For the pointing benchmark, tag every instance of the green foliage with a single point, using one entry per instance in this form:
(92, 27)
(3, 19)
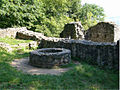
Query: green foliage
(20, 13)
(47, 16)
(91, 14)
(74, 9)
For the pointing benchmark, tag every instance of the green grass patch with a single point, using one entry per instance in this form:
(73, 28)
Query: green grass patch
(13, 41)
(71, 64)
(82, 76)
(8, 57)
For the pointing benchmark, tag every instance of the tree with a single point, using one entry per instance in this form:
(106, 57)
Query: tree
(74, 7)
(90, 14)
(47, 16)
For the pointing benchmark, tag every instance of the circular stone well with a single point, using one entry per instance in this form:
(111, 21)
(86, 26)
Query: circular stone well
(49, 57)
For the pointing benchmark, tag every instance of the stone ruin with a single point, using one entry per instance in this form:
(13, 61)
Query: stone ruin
(103, 32)
(49, 57)
(73, 30)
(101, 52)
(20, 33)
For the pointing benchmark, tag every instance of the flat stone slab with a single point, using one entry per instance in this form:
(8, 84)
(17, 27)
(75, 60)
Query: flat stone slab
(22, 64)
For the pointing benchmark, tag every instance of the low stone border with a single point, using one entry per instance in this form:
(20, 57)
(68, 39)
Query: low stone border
(50, 57)
(22, 64)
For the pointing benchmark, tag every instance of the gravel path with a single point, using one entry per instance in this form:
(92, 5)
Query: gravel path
(22, 64)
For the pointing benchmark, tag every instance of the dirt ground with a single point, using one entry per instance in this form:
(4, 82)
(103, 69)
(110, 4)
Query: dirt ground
(22, 64)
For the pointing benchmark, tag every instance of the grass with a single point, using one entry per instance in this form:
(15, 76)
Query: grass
(80, 77)
(13, 41)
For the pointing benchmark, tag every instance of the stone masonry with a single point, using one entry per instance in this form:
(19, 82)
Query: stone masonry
(21, 33)
(50, 57)
(29, 35)
(101, 54)
(103, 32)
(73, 30)
(10, 32)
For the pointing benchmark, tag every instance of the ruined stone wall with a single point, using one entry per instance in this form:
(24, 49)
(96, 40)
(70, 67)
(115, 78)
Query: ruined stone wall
(73, 30)
(102, 54)
(21, 33)
(10, 32)
(29, 35)
(103, 32)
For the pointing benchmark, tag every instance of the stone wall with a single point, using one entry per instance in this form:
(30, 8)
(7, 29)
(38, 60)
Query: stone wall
(102, 54)
(10, 32)
(21, 33)
(103, 32)
(73, 30)
(29, 35)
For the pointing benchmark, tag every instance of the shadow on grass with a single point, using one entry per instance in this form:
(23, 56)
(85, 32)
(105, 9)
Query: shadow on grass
(7, 57)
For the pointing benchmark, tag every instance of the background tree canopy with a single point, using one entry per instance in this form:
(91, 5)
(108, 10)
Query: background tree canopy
(48, 16)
